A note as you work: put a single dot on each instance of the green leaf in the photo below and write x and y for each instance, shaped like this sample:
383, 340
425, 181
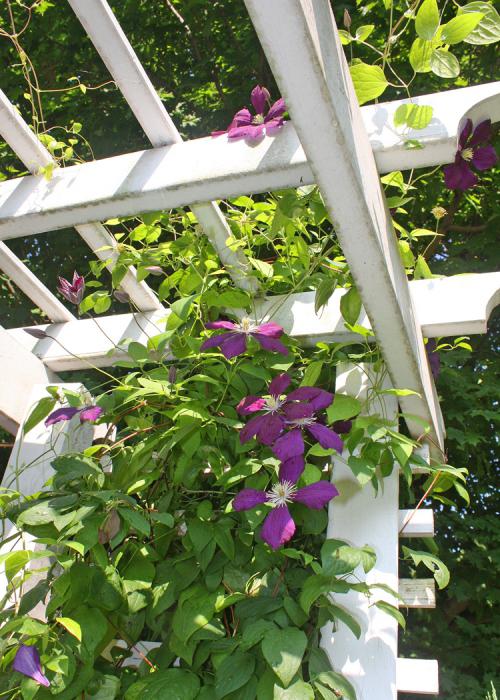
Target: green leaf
336, 682
41, 411
265, 269
312, 373
427, 19
459, 28
340, 614
72, 626
420, 55
422, 270
317, 585
93, 626
283, 650
135, 520
488, 29
233, 299
345, 37
407, 257
182, 307
174, 684
233, 673
392, 611
298, 691
137, 351
350, 305
195, 610
413, 116
343, 408
369, 81
363, 32
324, 291
434, 564
444, 64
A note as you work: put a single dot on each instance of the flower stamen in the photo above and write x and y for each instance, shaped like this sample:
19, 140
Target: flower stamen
282, 492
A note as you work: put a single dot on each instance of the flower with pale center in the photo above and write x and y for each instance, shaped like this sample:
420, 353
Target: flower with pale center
279, 526
248, 126
235, 341
473, 149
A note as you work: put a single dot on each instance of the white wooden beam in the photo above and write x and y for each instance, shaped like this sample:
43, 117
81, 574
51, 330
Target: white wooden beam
315, 81
115, 50
34, 155
419, 676
208, 168
417, 593
416, 523
19, 370
359, 516
29, 283
437, 304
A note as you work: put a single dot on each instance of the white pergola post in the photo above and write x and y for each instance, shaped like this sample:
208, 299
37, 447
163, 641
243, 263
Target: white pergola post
359, 516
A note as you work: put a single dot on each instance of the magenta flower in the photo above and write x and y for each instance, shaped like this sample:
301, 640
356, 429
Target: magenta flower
459, 175
72, 291
87, 413
279, 526
235, 342
246, 125
269, 426
299, 417
27, 662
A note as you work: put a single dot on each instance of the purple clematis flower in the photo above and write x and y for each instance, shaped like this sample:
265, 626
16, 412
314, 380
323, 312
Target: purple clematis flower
27, 662
235, 342
300, 416
279, 526
248, 126
473, 149
72, 291
269, 426
433, 357
87, 413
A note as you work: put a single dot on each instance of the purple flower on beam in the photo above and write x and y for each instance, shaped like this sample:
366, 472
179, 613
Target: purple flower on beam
235, 342
301, 417
279, 526
87, 413
459, 175
246, 125
72, 291
27, 662
268, 426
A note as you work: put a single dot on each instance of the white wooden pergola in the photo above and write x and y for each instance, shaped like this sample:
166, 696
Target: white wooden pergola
331, 142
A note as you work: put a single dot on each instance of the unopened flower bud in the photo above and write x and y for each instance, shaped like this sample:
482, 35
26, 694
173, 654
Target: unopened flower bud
36, 333
172, 374
347, 19
154, 270
121, 296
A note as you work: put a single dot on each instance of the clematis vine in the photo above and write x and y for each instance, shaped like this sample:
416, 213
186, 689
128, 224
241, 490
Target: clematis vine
279, 526
235, 342
27, 662
246, 125
475, 150
87, 413
72, 291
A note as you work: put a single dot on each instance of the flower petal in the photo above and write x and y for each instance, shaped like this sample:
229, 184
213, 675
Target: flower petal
250, 404
242, 118
291, 469
27, 662
215, 340
342, 426
251, 428
465, 133
233, 344
249, 131
327, 438
459, 176
276, 110
215, 325
278, 527
279, 384
259, 97
295, 411
249, 498
91, 413
316, 495
318, 398
273, 126
270, 329
289, 445
482, 133
270, 344
484, 158
271, 428
61, 414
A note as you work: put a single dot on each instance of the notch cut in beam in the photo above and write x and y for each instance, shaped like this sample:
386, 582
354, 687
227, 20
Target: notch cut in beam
117, 53
34, 155
417, 593
417, 676
316, 84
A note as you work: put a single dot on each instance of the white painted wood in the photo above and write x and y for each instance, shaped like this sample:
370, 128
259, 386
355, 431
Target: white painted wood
417, 676
28, 470
316, 84
77, 344
19, 370
475, 293
416, 523
360, 517
32, 287
417, 593
35, 156
115, 50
